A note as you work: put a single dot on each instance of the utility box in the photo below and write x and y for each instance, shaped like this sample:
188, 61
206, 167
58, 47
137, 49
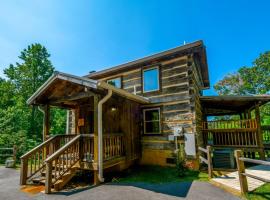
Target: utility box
223, 158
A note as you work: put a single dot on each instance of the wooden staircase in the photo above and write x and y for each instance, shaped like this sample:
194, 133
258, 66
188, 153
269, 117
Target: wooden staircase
59, 184
53, 163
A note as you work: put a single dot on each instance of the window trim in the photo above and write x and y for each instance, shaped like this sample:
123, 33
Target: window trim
158, 76
144, 122
117, 77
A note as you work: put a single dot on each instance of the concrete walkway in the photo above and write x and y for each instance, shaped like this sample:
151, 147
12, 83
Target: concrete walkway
10, 190
231, 180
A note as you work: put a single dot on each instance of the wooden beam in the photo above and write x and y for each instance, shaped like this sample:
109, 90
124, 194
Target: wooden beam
77, 96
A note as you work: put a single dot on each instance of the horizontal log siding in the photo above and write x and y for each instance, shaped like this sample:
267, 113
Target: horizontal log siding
174, 101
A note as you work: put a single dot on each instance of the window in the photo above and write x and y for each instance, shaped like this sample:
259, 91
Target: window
150, 80
151, 121
116, 82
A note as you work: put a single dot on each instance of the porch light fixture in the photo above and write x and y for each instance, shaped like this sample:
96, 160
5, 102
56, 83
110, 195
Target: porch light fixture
113, 109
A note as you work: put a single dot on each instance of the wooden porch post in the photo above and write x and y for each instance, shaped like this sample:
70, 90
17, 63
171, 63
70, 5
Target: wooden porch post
96, 180
77, 129
259, 132
46, 122
46, 128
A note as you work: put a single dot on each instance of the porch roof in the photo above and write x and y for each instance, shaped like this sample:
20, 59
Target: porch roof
229, 105
66, 87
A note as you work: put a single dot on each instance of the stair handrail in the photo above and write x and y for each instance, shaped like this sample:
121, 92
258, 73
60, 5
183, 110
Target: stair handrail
38, 147
55, 156
62, 149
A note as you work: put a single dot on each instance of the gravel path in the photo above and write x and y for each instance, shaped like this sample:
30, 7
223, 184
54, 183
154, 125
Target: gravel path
10, 190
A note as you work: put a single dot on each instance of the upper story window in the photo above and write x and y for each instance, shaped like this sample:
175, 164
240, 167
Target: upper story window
151, 121
151, 79
116, 82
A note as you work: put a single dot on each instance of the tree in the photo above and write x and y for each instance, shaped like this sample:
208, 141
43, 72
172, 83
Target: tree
27, 77
252, 80
20, 124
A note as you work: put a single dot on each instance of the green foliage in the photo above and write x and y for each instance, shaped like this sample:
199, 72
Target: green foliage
254, 80
180, 159
21, 124
261, 193
248, 80
58, 121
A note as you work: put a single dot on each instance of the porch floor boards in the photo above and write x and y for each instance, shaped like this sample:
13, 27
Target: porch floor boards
231, 182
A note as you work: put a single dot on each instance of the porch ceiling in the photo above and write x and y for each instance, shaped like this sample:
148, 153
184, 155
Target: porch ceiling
228, 105
65, 90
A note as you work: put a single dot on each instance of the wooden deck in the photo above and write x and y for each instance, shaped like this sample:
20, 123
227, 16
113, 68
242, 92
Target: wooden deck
230, 181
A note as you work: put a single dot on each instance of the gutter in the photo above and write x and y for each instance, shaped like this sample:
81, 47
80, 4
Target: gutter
100, 135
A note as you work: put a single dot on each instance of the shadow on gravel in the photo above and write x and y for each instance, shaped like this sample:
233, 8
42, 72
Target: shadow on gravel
69, 192
174, 189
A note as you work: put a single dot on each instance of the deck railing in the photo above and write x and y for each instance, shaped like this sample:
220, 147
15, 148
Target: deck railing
230, 124
238, 133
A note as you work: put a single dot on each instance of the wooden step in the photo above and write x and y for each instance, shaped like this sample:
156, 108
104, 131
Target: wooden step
64, 180
59, 184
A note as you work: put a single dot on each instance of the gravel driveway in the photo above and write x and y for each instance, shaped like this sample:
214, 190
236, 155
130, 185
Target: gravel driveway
10, 190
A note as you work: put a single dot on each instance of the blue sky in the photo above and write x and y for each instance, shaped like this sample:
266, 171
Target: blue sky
92, 35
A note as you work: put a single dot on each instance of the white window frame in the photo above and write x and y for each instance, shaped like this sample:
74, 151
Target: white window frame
119, 77
144, 122
147, 69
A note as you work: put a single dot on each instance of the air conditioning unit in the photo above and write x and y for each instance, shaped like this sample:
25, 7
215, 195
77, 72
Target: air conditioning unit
224, 158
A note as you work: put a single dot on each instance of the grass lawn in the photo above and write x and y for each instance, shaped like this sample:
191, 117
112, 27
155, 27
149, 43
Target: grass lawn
261, 193
157, 174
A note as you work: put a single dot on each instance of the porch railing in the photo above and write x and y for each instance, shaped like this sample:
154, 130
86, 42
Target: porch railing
238, 133
113, 146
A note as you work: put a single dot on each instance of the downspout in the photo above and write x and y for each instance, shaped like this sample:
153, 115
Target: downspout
100, 135
67, 122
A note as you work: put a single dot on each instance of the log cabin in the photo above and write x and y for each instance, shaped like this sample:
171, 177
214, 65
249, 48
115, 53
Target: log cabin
139, 112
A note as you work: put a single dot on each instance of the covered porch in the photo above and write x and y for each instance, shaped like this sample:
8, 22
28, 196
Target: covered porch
240, 126
105, 131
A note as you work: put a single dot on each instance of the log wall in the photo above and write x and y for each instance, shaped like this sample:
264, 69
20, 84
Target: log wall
178, 99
